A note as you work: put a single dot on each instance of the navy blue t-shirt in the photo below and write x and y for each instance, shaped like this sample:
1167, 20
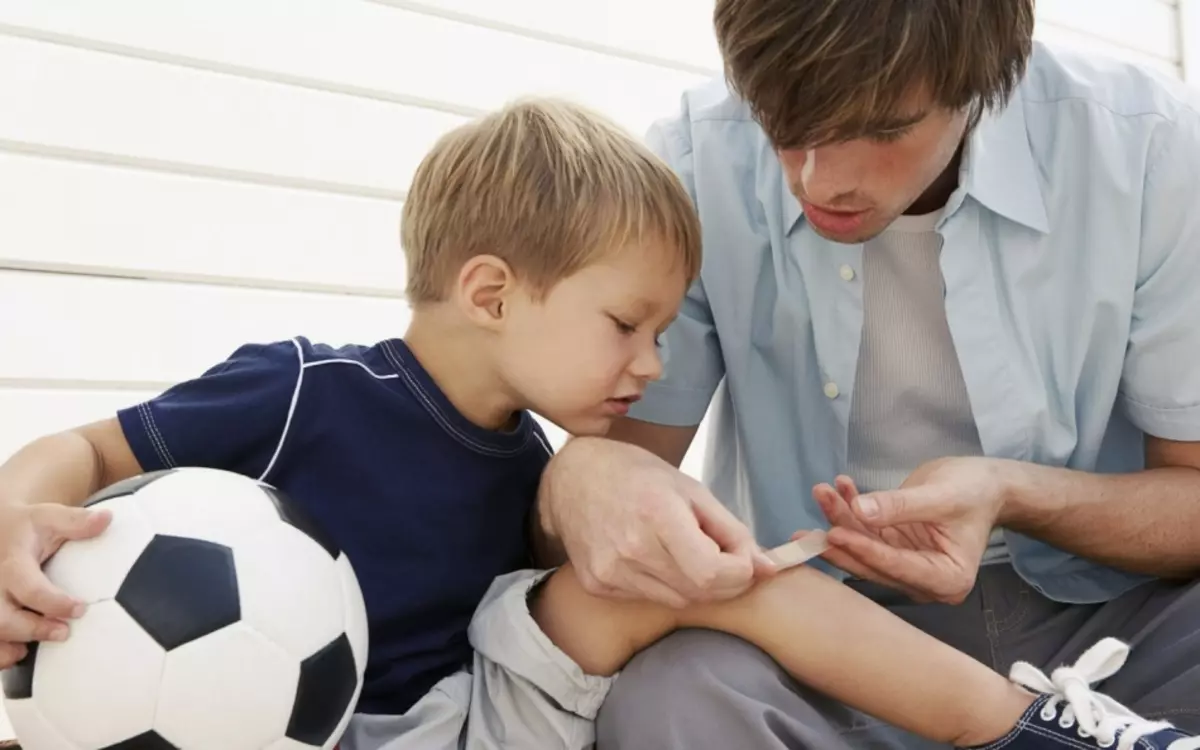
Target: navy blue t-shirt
428, 506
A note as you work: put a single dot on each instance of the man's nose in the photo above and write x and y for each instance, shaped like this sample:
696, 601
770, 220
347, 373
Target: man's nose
823, 176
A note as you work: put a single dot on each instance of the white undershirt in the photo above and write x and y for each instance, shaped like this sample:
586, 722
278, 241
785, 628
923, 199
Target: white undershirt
910, 403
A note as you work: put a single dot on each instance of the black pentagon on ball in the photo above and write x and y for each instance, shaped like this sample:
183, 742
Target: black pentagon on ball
328, 679
292, 514
144, 741
17, 680
127, 486
181, 589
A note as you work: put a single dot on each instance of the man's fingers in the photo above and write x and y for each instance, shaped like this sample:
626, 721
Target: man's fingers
732, 536
846, 488
836, 509
699, 557
11, 653
655, 590
29, 587
922, 504
909, 570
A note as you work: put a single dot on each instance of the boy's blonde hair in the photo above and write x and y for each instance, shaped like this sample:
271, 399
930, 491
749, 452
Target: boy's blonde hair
546, 185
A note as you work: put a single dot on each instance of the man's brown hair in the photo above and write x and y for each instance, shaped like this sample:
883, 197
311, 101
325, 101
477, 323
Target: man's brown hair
822, 71
547, 186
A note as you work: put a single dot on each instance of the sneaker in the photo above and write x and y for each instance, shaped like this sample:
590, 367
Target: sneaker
1069, 714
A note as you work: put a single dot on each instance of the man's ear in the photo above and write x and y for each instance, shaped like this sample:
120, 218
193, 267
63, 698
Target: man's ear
485, 285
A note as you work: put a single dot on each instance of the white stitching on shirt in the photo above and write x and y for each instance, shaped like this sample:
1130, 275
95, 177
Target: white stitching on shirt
437, 414
156, 436
291, 412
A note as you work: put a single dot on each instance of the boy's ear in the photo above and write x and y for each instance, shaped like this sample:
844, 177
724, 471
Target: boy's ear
485, 284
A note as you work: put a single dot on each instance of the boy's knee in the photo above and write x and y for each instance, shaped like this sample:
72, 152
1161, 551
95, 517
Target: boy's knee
690, 677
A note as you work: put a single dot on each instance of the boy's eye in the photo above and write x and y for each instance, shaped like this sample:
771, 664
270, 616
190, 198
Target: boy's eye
622, 326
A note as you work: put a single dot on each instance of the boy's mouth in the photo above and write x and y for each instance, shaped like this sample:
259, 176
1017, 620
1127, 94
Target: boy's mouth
620, 404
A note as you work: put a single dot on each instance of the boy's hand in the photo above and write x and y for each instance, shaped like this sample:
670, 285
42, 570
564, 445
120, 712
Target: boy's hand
636, 527
32, 608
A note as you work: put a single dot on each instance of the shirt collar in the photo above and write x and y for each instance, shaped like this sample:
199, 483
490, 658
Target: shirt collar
998, 170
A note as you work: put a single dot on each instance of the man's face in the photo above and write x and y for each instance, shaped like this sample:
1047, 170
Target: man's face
851, 191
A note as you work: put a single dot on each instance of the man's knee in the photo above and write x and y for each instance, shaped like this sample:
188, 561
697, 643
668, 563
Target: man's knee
691, 676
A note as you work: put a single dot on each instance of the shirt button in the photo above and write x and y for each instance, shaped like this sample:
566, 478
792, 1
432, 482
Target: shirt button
831, 390
847, 273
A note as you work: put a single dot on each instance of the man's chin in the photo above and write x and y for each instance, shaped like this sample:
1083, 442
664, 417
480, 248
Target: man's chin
859, 236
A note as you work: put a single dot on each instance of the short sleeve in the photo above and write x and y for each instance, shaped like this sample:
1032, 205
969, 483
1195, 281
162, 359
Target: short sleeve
231, 417
691, 351
1160, 384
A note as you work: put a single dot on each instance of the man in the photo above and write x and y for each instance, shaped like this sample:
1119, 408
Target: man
961, 270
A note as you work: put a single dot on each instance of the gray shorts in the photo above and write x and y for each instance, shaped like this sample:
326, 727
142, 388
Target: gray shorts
520, 692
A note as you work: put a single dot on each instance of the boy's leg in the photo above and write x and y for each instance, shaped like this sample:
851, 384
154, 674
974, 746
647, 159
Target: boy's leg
670, 694
828, 636
703, 689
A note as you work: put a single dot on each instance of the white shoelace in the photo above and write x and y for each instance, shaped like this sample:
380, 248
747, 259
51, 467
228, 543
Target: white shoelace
1097, 715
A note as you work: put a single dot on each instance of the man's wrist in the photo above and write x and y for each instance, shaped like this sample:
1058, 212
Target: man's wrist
1031, 494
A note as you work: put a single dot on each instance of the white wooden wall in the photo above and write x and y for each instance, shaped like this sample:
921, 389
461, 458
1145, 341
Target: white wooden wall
177, 177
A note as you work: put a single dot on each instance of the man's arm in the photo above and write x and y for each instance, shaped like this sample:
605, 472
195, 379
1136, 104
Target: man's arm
668, 442
1145, 522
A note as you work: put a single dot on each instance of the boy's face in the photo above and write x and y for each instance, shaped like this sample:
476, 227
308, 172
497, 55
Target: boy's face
584, 353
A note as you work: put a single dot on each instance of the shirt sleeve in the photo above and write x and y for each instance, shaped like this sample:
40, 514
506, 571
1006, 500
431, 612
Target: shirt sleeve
1160, 384
231, 417
691, 350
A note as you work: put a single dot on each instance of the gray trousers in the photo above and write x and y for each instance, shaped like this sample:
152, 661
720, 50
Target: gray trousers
702, 690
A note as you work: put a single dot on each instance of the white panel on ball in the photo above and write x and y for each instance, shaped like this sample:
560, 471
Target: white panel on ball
99, 686
281, 573
36, 730
355, 610
238, 705
93, 569
207, 504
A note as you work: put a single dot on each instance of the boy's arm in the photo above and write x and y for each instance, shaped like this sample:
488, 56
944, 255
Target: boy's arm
232, 417
68, 467
822, 632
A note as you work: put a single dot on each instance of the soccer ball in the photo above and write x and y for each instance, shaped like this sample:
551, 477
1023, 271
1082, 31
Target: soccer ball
219, 618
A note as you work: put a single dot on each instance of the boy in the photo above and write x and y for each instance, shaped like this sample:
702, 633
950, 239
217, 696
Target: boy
546, 253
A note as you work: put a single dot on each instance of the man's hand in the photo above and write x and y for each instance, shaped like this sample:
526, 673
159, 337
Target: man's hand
31, 608
927, 537
636, 527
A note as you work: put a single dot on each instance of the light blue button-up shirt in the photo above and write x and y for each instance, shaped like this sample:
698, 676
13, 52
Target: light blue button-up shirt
1071, 258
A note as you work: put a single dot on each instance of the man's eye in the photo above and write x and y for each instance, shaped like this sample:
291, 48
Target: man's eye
889, 136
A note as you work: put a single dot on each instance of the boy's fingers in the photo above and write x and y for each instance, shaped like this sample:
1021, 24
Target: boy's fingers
11, 653
30, 588
67, 523
23, 626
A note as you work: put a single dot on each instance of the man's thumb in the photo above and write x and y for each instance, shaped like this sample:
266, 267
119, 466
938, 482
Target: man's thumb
892, 507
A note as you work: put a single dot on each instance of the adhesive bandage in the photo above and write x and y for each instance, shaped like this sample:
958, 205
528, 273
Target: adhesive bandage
799, 551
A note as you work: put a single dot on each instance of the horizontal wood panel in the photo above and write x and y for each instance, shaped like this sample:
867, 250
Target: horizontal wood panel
674, 30
1066, 38
681, 30
63, 97
29, 413
1147, 26
72, 215
80, 328
364, 47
